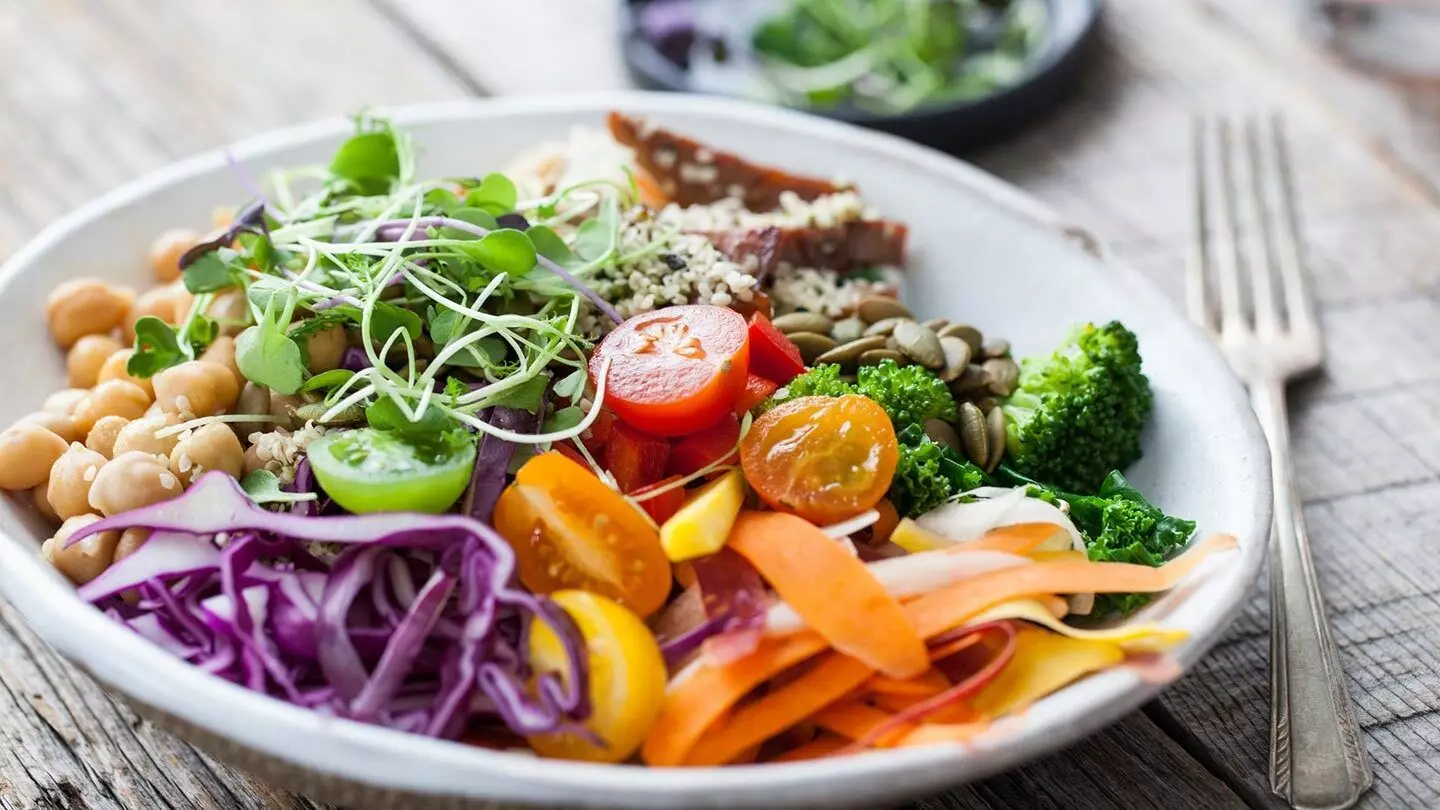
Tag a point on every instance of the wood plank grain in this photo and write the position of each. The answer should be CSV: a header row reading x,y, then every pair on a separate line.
x,y
97,92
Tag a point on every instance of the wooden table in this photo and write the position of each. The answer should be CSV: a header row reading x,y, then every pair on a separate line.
x,y
95,92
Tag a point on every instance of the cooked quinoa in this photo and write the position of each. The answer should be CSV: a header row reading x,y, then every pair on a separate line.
x,y
662,266
826,211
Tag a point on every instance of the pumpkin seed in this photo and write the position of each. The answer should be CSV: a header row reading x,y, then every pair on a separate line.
x,y
875,357
957,357
848,330
1002,375
891,344
995,434
974,435
848,353
811,344
986,404
804,322
967,333
943,432
883,326
997,348
971,381
935,324
919,344
874,308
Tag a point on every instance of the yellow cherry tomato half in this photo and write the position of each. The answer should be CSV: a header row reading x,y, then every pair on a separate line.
x,y
627,677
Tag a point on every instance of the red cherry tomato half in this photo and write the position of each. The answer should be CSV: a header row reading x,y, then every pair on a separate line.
x,y
676,370
634,457
690,454
772,355
757,390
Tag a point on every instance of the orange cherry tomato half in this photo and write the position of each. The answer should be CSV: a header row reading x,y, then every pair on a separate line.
x,y
569,530
676,370
822,458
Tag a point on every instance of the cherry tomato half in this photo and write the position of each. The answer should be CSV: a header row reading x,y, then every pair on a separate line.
x,y
368,470
569,530
627,677
822,458
676,370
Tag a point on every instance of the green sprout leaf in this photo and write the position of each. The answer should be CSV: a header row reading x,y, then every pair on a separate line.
x,y
327,380
495,194
264,487
549,244
506,251
210,272
525,396
268,356
368,162
156,348
573,385
385,415
563,419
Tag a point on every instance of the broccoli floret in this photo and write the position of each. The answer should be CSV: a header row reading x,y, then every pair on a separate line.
x,y
929,474
820,381
1119,525
1078,413
911,395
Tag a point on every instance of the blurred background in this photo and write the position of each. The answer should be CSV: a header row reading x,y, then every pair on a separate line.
x,y
1086,105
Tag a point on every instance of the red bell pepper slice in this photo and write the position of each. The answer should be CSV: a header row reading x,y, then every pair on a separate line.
x,y
634,457
772,355
690,454
757,390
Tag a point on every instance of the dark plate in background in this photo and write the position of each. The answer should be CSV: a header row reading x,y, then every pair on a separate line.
x,y
953,126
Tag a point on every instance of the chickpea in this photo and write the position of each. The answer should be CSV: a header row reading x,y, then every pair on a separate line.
x,y
85,306
41,495
139,436
222,353
254,461
132,480
65,401
170,303
212,447
130,541
196,388
325,348
231,309
87,357
70,479
283,410
166,250
254,399
112,398
60,424
102,436
26,453
86,559
116,368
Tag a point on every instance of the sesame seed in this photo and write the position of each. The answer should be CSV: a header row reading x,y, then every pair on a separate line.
x,y
185,463
90,473
168,481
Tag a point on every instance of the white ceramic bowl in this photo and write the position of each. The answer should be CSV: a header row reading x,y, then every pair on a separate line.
x,y
982,252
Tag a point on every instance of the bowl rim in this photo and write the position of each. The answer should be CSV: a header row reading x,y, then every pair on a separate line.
x,y
649,66
387,758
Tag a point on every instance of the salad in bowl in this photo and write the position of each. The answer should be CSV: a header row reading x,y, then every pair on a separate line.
x,y
631,452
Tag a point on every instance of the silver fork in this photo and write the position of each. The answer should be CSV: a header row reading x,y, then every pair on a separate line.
x,y
1268,330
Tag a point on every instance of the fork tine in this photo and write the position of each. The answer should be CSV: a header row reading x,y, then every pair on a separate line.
x,y
1299,306
1197,289
1262,290
1228,258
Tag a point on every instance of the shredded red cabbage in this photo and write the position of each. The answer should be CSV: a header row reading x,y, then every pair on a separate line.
x,y
415,625
492,461
733,596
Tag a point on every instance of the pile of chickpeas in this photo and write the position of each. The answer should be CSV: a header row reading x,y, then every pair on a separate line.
x,y
98,447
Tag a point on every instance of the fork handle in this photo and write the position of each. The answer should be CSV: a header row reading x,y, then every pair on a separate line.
x,y
1317,751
